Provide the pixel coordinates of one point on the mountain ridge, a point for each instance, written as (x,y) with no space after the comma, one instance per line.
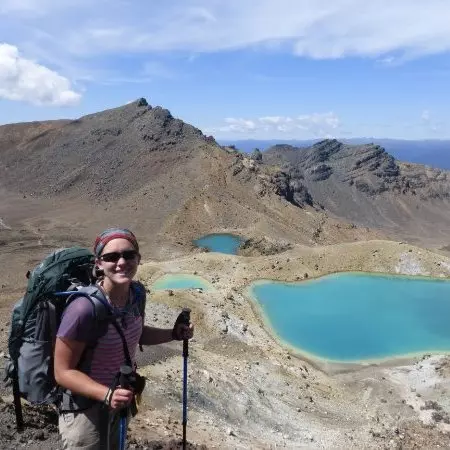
(366,185)
(432,152)
(168,175)
(124,135)
(369,159)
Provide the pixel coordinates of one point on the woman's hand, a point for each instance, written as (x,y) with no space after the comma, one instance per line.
(121,398)
(183,331)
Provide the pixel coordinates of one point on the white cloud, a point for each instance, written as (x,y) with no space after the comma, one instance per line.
(382,29)
(157,69)
(18,6)
(425,115)
(389,61)
(274,119)
(429,123)
(329,120)
(78,41)
(30,8)
(239,125)
(25,80)
(302,126)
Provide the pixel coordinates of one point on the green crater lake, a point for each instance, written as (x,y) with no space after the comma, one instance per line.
(180,281)
(352,317)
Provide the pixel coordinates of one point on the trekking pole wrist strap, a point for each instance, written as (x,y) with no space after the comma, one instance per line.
(108,396)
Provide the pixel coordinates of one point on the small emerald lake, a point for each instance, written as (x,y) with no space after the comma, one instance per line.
(220,242)
(351,317)
(180,281)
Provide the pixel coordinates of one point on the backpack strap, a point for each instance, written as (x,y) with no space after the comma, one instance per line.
(141,297)
(52,319)
(95,295)
(124,343)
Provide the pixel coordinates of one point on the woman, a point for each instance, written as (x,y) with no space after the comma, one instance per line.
(80,338)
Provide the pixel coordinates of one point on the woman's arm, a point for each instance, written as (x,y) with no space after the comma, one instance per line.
(75,331)
(154,336)
(67,355)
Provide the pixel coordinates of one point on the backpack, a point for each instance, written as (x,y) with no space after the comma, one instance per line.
(36,317)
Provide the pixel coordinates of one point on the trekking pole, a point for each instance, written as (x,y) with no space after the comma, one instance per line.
(17,403)
(185,318)
(124,381)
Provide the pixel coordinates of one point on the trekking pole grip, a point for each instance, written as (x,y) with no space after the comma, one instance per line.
(186,320)
(124,378)
(126,382)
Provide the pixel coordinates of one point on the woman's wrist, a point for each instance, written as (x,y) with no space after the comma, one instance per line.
(107,397)
(153,336)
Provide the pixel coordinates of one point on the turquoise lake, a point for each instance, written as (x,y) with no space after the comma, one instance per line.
(221,243)
(353,317)
(180,281)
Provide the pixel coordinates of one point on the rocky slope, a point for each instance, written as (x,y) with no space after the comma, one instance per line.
(365,185)
(247,390)
(367,167)
(104,155)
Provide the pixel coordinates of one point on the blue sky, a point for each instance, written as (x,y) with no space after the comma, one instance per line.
(236,69)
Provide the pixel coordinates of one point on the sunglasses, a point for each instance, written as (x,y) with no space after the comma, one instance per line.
(127,255)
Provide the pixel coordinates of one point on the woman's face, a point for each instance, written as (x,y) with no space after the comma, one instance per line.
(119,261)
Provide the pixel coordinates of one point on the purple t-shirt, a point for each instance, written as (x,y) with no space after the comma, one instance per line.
(78,323)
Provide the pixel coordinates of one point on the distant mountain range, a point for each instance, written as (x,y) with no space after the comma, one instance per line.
(435,153)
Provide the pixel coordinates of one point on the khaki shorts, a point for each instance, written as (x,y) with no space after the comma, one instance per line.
(81,430)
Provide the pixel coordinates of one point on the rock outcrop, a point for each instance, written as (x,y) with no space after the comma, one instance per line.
(362,184)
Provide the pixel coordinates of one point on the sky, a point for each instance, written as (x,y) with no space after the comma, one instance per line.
(236,69)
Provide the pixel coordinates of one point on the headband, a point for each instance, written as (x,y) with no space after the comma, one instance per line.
(113,233)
